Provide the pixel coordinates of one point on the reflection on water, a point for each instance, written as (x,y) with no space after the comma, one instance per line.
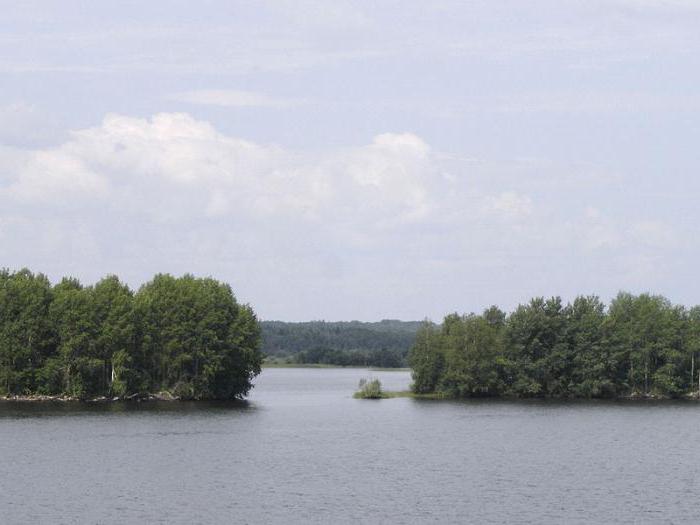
(302,450)
(19,409)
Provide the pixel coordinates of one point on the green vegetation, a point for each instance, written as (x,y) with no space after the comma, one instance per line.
(392,394)
(185,336)
(369,389)
(639,346)
(384,344)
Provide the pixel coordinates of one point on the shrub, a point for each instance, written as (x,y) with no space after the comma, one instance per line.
(369,389)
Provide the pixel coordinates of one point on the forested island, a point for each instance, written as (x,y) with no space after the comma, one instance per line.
(639,346)
(185,338)
(347,343)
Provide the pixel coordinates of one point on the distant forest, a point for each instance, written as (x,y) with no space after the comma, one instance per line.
(186,336)
(638,346)
(382,344)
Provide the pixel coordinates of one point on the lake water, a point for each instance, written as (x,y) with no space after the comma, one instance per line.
(302,450)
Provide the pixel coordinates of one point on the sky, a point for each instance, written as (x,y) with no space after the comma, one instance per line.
(356,160)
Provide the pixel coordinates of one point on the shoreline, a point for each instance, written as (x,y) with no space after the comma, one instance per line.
(326,366)
(40,398)
(392,394)
(387,394)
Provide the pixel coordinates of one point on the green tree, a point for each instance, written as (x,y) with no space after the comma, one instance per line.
(646,333)
(536,350)
(76,370)
(592,371)
(692,346)
(473,353)
(426,359)
(26,338)
(195,339)
(112,309)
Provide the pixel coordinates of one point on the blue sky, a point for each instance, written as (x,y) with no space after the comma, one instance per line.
(356,160)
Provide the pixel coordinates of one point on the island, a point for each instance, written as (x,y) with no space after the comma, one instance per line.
(640,346)
(174,338)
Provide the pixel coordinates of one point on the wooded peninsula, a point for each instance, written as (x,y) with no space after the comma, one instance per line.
(640,346)
(185,337)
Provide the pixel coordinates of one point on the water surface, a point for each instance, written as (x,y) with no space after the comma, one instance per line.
(302,450)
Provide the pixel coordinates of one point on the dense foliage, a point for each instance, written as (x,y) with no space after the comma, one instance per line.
(638,346)
(383,344)
(187,336)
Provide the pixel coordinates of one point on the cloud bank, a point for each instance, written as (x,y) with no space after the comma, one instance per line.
(388,228)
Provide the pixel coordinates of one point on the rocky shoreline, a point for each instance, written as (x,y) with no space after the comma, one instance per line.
(167,396)
(158,396)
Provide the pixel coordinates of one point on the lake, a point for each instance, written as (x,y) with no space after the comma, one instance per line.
(302,450)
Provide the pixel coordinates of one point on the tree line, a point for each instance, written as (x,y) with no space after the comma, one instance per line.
(381,357)
(187,336)
(639,345)
(350,343)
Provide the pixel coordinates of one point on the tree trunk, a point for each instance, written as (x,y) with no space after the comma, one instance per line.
(692,370)
(646,377)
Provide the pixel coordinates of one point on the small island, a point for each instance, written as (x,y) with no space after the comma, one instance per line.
(175,338)
(370,389)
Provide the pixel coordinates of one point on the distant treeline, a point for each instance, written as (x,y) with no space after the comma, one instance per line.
(385,343)
(638,346)
(186,335)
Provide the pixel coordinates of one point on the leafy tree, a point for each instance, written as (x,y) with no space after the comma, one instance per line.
(240,359)
(536,349)
(26,339)
(646,333)
(592,370)
(426,359)
(692,342)
(641,345)
(193,336)
(185,335)
(473,351)
(113,313)
(76,369)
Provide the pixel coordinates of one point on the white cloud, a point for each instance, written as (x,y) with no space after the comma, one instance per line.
(173,166)
(234,99)
(300,232)
(57,175)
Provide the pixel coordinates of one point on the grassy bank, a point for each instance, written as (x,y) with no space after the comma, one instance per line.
(403,393)
(628,398)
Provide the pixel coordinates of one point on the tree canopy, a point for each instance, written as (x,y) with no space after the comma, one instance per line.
(637,346)
(186,335)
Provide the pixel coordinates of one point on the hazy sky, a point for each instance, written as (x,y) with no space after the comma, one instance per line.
(356,160)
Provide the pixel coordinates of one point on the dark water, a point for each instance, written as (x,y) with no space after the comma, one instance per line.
(304,451)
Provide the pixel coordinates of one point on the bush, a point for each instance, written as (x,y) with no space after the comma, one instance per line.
(369,389)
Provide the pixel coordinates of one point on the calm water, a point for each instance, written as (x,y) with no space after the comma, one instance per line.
(304,451)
